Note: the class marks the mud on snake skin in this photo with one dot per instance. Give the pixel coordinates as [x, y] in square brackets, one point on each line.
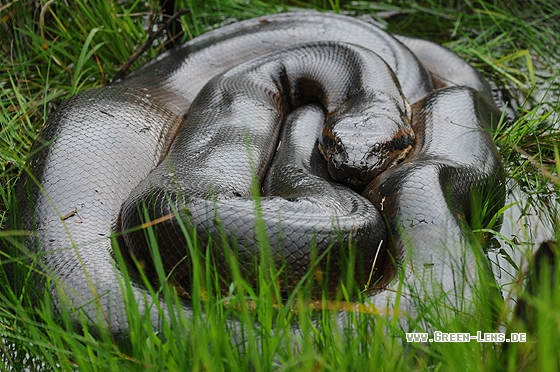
[301, 82]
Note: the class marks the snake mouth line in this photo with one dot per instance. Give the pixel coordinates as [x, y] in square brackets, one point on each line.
[401, 157]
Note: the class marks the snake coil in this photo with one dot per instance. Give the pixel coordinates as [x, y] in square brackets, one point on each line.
[99, 147]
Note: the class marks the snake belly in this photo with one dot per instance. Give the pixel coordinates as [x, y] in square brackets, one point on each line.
[100, 144]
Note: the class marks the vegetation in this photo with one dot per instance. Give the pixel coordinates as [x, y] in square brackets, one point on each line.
[53, 49]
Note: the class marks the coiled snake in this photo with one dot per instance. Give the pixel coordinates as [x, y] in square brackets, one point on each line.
[102, 148]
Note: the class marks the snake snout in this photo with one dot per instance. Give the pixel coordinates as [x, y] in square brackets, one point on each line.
[356, 172]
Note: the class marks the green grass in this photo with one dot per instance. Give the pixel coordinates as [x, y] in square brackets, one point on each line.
[52, 50]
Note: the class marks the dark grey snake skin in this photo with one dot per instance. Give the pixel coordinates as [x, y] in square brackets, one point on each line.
[99, 145]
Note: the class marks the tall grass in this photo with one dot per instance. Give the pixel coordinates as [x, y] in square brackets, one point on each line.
[54, 49]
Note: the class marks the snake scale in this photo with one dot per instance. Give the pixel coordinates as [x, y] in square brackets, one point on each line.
[126, 142]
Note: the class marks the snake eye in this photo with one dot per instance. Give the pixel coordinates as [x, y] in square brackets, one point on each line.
[376, 147]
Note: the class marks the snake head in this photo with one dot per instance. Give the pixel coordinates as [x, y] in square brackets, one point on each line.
[357, 149]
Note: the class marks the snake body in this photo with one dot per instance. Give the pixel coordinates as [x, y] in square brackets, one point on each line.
[99, 146]
[232, 128]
